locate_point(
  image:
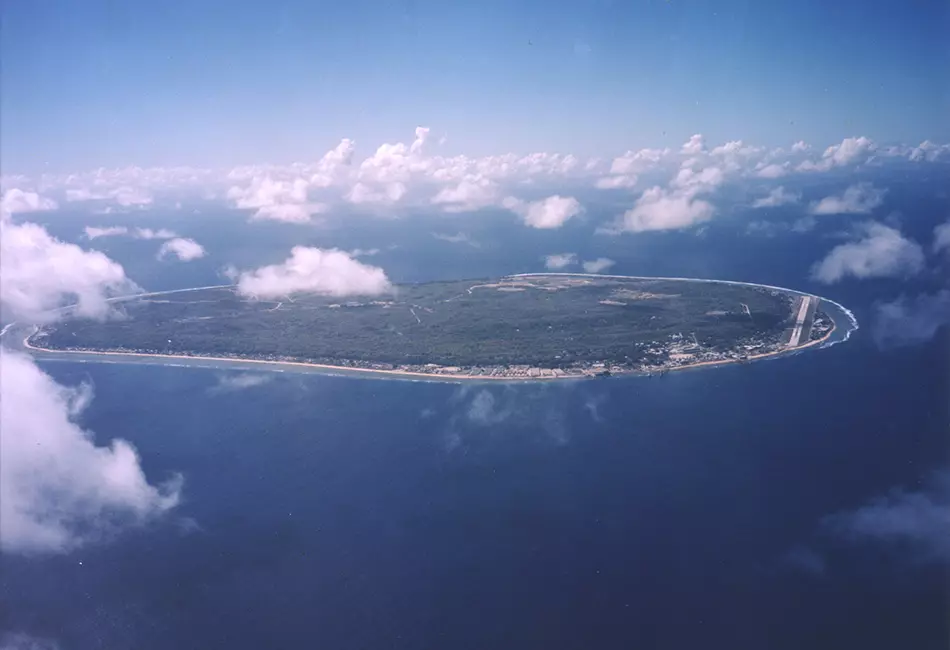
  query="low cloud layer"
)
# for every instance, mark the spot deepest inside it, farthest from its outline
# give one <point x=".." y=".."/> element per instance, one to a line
<point x="95" y="232"/>
<point x="910" y="320"/>
<point x="60" y="490"/>
<point x="861" y="198"/>
<point x="313" y="270"/>
<point x="39" y="273"/>
<point x="880" y="252"/>
<point x="552" y="212"/>
<point x="559" y="261"/>
<point x="918" y="521"/>
<point x="777" y="197"/>
<point x="184" y="249"/>
<point x="599" y="265"/>
<point x="942" y="238"/>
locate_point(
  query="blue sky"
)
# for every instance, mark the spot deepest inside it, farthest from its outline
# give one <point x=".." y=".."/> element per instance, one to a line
<point x="92" y="83"/>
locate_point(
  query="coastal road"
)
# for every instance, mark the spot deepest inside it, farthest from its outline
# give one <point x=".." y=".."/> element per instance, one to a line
<point x="796" y="336"/>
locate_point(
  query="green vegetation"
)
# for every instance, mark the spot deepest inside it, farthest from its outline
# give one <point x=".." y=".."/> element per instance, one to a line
<point x="545" y="321"/>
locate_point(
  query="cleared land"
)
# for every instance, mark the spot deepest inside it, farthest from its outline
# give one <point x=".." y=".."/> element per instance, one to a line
<point x="522" y="326"/>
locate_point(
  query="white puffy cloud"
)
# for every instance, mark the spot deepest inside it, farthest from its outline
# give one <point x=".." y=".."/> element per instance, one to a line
<point x="599" y="265"/>
<point x="471" y="193"/>
<point x="907" y="321"/>
<point x="704" y="179"/>
<point x="39" y="273"/>
<point x="625" y="169"/>
<point x="182" y="248"/>
<point x="276" y="200"/>
<point x="16" y="200"/>
<point x="559" y="261"/>
<point x="928" y="151"/>
<point x="313" y="270"/>
<point x="659" y="209"/>
<point x="851" y="151"/>
<point x="333" y="164"/>
<point x="288" y="212"/>
<point x="616" y="182"/>
<point x="880" y="252"/>
<point x="695" y="145"/>
<point x="772" y="170"/>
<point x="942" y="238"/>
<point x="95" y="232"/>
<point x="860" y="198"/>
<point x="778" y="196"/>
<point x="60" y="490"/>
<point x="914" y="521"/>
<point x="552" y="212"/>
<point x="800" y="146"/>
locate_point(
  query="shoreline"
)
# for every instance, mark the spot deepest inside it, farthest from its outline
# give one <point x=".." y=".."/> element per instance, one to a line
<point x="427" y="375"/>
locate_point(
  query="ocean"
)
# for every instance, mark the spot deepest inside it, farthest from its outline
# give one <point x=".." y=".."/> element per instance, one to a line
<point x="688" y="510"/>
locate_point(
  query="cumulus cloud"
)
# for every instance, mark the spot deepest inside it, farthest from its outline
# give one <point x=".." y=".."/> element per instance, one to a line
<point x="39" y="273"/>
<point x="472" y="193"/>
<point x="880" y="252"/>
<point x="659" y="209"/>
<point x="777" y="197"/>
<point x="942" y="238"/>
<point x="599" y="265"/>
<point x="552" y="212"/>
<point x="624" y="169"/>
<point x="928" y="151"/>
<point x="95" y="232"/>
<point x="559" y="261"/>
<point x="61" y="490"/>
<point x="910" y="320"/>
<point x="16" y="200"/>
<point x="695" y="145"/>
<point x="860" y="198"/>
<point x="800" y="146"/>
<point x="334" y="164"/>
<point x="918" y="521"/>
<point x="276" y="200"/>
<point x="313" y="270"/>
<point x="457" y="238"/>
<point x="851" y="151"/>
<point x="240" y="381"/>
<point x="772" y="170"/>
<point x="182" y="248"/>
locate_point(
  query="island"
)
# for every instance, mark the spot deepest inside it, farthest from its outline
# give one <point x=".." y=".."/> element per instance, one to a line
<point x="534" y="326"/>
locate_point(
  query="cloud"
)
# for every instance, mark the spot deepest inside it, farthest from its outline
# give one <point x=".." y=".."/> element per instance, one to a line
<point x="313" y="270"/>
<point x="928" y="151"/>
<point x="918" y="521"/>
<point x="908" y="321"/>
<point x="95" y="232"/>
<point x="881" y="252"/>
<point x="16" y="200"/>
<point x="659" y="209"/>
<point x="861" y="198"/>
<point x="60" y="490"/>
<point x="333" y="164"/>
<point x="624" y="169"/>
<point x="800" y="146"/>
<point x="773" y="170"/>
<point x="184" y="249"/>
<point x="276" y="200"/>
<point x="552" y="212"/>
<point x="559" y="261"/>
<point x="22" y="641"/>
<point x="288" y="212"/>
<point x="483" y="411"/>
<point x="458" y="238"/>
<point x="597" y="266"/>
<point x="695" y="145"/>
<point x="240" y="381"/>
<point x="851" y="151"/>
<point x="777" y="197"/>
<point x="473" y="193"/>
<point x="39" y="273"/>
<point x="942" y="238"/>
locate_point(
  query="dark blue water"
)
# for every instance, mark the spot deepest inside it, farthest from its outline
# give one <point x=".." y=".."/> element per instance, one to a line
<point x="675" y="512"/>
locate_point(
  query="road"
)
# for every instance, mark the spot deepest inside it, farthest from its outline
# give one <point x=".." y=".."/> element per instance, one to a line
<point x="796" y="336"/>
